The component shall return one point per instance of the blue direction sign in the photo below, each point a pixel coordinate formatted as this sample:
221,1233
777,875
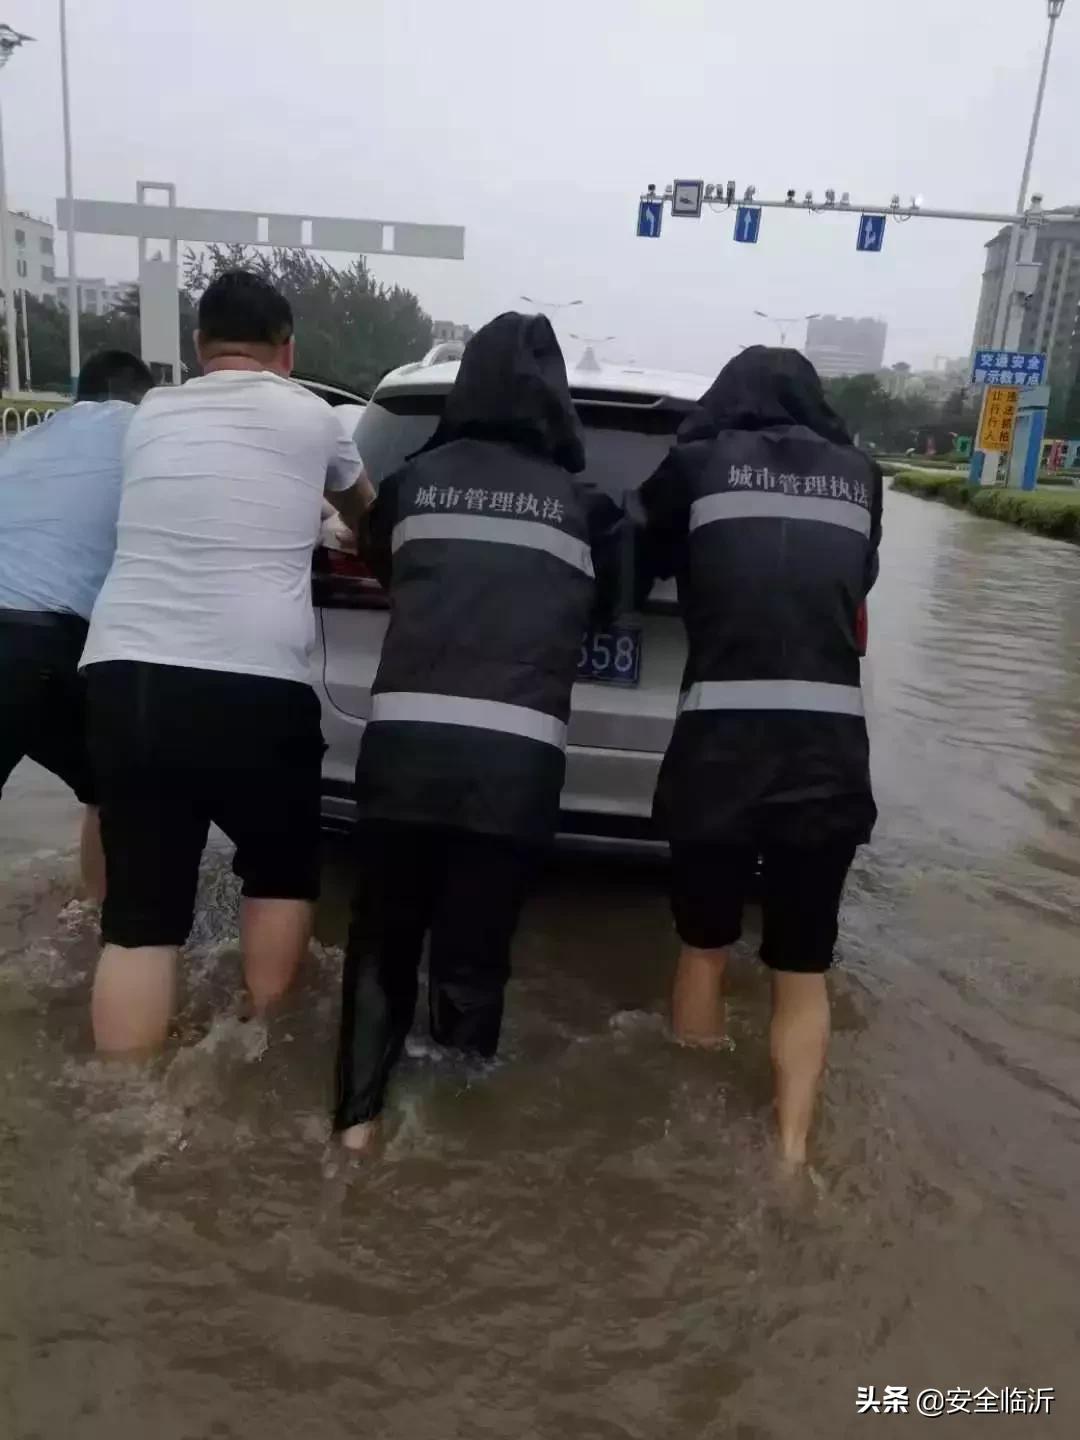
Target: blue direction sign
1010,368
748,224
871,232
650,214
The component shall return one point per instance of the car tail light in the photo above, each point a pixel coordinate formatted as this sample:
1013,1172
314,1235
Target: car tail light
344,582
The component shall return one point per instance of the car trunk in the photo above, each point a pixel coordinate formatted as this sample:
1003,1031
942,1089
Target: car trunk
626,437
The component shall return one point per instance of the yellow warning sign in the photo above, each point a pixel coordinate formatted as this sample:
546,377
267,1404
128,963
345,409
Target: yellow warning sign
999,418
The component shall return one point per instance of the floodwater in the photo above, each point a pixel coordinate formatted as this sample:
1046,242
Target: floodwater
589,1242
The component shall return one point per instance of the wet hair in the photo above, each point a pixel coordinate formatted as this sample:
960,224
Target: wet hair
764,388
242,308
114,375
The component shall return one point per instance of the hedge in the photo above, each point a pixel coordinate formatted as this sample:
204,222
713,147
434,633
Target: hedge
1047,514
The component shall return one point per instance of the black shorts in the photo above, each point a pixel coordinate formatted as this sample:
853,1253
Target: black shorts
800,898
43,698
175,749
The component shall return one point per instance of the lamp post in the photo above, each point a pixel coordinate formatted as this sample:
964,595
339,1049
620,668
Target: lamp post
545,305
1008,328
26,344
1005,319
784,321
1053,11
10,40
73,279
588,359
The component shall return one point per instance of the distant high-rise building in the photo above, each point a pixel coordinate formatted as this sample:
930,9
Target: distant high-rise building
33,263
840,345
1052,318
96,296
32,250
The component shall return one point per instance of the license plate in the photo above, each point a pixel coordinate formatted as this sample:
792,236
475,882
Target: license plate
611,657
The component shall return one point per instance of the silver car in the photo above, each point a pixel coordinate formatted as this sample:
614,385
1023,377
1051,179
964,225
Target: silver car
629,674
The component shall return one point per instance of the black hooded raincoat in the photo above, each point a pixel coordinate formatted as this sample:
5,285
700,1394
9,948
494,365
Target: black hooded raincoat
487,544
770,519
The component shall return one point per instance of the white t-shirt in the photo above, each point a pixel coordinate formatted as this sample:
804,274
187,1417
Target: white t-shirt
219,513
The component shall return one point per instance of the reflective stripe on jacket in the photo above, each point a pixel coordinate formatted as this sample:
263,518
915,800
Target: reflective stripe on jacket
492,587
773,536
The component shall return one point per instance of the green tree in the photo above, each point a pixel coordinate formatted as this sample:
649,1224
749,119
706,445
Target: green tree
860,400
349,327
48,323
898,423
1063,421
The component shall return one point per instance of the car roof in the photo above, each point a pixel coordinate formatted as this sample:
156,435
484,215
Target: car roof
607,382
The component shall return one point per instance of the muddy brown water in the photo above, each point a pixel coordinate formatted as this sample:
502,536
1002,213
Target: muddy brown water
588,1242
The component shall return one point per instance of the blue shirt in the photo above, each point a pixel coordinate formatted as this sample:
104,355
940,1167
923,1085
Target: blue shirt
59,497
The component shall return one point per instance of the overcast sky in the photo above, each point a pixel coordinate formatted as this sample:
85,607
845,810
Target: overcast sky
538,125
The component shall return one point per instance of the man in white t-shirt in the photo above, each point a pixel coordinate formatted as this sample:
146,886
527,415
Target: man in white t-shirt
200,702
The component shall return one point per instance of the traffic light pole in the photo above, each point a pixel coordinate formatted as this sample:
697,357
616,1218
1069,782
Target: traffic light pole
892,211
1018,281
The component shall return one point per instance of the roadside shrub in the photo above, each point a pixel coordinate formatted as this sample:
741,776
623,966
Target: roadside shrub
1054,515
1057,516
952,489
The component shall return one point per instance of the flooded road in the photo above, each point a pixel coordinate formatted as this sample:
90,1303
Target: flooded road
589,1242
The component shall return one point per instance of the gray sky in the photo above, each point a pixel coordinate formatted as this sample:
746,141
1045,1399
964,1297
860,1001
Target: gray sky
537,126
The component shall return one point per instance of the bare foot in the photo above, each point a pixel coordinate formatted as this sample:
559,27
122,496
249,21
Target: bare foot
791,1157
703,1042
362,1139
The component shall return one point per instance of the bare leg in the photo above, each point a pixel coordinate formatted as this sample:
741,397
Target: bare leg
274,936
133,997
697,1001
92,856
799,1040
363,1139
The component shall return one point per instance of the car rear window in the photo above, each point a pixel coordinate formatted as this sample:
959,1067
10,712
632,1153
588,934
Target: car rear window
623,444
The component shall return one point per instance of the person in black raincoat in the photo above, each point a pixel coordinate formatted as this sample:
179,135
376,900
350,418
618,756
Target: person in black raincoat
770,519
487,545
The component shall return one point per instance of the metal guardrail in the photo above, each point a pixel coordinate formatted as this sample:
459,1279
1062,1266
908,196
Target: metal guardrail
14,420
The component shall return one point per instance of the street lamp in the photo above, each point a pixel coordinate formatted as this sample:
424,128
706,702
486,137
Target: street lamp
10,40
588,359
784,321
69,191
1001,337
1053,11
551,304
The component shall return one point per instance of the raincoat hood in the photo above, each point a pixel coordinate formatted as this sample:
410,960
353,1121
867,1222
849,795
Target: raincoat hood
764,388
511,386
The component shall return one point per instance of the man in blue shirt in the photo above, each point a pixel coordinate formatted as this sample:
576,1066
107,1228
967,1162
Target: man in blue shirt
59,496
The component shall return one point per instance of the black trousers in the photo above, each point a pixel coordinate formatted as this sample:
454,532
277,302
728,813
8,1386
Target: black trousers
176,749
43,698
467,891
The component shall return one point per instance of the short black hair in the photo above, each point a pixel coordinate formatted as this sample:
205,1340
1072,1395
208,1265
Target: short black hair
114,375
243,307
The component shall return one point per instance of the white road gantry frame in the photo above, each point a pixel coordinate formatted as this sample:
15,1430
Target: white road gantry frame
159,277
